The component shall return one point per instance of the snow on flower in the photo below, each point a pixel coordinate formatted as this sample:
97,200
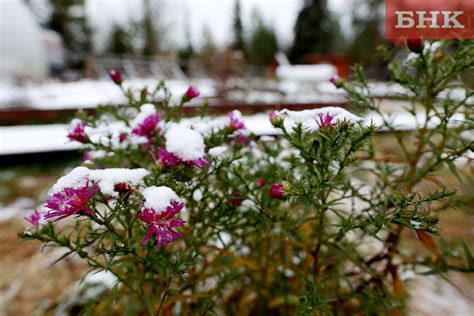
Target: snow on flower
306,117
37,218
184,143
158,198
104,179
235,120
71,201
147,122
76,178
160,207
109,133
108,179
77,131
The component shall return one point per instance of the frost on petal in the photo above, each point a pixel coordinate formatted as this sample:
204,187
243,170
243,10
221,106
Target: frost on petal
71,201
159,198
184,142
107,179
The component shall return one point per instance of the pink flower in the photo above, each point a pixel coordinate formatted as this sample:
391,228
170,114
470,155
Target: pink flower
161,224
337,81
168,159
260,182
275,119
279,190
148,127
191,93
71,201
77,132
37,219
416,45
116,76
325,121
235,123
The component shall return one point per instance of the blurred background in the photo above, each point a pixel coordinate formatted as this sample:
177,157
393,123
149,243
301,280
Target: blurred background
253,55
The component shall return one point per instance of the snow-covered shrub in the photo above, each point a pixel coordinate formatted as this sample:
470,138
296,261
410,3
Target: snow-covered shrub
202,217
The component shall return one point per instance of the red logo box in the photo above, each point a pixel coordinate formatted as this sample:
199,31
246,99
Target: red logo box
433,19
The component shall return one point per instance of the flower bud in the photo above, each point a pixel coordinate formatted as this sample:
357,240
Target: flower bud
279,190
122,188
416,45
260,182
275,119
337,81
116,76
191,93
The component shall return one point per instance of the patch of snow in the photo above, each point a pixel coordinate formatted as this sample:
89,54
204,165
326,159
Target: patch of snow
309,118
159,198
31,139
218,151
321,72
108,133
184,142
108,178
74,179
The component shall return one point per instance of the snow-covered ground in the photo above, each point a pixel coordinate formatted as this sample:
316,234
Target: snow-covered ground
87,93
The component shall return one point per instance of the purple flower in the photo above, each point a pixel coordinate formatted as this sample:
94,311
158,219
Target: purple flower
37,219
168,159
191,93
116,76
148,127
235,123
71,201
77,132
325,121
161,224
279,190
